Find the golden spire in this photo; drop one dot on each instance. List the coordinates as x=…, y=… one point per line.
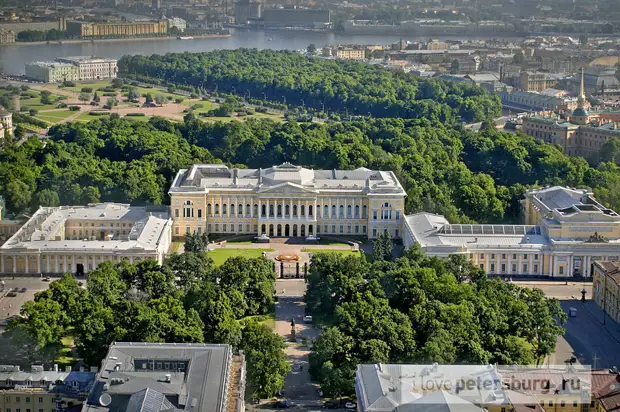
x=582, y=92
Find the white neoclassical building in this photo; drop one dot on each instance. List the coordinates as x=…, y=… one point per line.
x=565, y=230
x=286, y=200
x=76, y=239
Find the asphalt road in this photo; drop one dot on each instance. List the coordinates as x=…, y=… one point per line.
x=10, y=306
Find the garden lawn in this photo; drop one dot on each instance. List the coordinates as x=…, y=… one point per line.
x=55, y=117
x=35, y=103
x=342, y=252
x=220, y=255
x=94, y=85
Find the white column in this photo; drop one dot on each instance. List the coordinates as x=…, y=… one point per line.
x=131, y=259
x=509, y=265
x=283, y=211
x=570, y=269
x=290, y=211
x=586, y=269
x=487, y=259
x=27, y=264
x=48, y=264
x=530, y=268
x=65, y=266
x=260, y=208
x=56, y=263
x=39, y=263
x=307, y=205
x=498, y=263
x=14, y=264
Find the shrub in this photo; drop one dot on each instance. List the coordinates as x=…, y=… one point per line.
x=33, y=112
x=136, y=114
x=62, y=105
x=261, y=110
x=68, y=83
x=86, y=90
x=193, y=96
x=74, y=108
x=98, y=113
x=109, y=94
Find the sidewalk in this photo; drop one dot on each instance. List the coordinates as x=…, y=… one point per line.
x=611, y=326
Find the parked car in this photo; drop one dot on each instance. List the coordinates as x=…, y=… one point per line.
x=47, y=279
x=23, y=290
x=308, y=319
x=350, y=405
x=285, y=404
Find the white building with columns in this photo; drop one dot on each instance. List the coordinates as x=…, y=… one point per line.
x=76, y=239
x=565, y=231
x=287, y=201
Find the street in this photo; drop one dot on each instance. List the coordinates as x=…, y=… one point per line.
x=10, y=306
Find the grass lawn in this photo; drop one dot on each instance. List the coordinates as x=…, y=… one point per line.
x=220, y=256
x=342, y=252
x=35, y=103
x=65, y=357
x=205, y=106
x=55, y=117
x=273, y=116
x=93, y=84
x=269, y=320
x=86, y=117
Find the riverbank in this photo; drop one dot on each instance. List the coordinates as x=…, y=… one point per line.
x=79, y=41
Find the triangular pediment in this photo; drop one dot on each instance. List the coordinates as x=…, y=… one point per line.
x=286, y=188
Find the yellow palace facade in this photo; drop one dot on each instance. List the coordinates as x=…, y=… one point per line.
x=287, y=201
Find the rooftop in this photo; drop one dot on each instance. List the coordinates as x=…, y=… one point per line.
x=611, y=268
x=204, y=177
x=568, y=201
x=154, y=377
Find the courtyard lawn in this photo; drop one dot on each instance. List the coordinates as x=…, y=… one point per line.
x=86, y=117
x=342, y=252
x=65, y=357
x=220, y=255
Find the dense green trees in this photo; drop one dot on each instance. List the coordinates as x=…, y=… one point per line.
x=319, y=84
x=420, y=309
x=148, y=302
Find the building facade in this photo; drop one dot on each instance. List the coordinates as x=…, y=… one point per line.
x=77, y=239
x=7, y=36
x=154, y=377
x=295, y=17
x=121, y=29
x=583, y=134
x=92, y=68
x=38, y=390
x=52, y=72
x=606, y=287
x=6, y=122
x=565, y=230
x=535, y=82
x=246, y=10
x=286, y=200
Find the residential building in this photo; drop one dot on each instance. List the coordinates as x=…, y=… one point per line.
x=169, y=376
x=467, y=64
x=92, y=68
x=345, y=52
x=535, y=81
x=7, y=36
x=564, y=231
x=38, y=390
x=583, y=134
x=286, y=200
x=52, y=72
x=606, y=287
x=77, y=239
x=117, y=29
x=177, y=22
x=246, y=10
x=537, y=101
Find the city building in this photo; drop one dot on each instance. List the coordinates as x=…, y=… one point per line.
x=246, y=10
x=6, y=122
x=286, y=200
x=92, y=68
x=565, y=230
x=597, y=80
x=606, y=287
x=470, y=388
x=52, y=72
x=535, y=81
x=42, y=390
x=76, y=239
x=583, y=134
x=179, y=23
x=537, y=101
x=345, y=52
x=295, y=17
x=167, y=377
x=118, y=29
x=7, y=36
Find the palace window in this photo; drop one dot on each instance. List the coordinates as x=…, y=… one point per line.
x=364, y=211
x=176, y=214
x=187, y=229
x=535, y=268
x=224, y=209
x=341, y=211
x=240, y=209
x=188, y=209
x=333, y=211
x=199, y=212
x=208, y=209
x=326, y=212
x=349, y=210
x=232, y=210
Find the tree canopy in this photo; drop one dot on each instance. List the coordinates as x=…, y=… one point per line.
x=421, y=310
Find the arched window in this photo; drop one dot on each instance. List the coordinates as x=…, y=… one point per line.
x=310, y=211
x=357, y=211
x=349, y=211
x=364, y=212
x=341, y=211
x=325, y=212
x=271, y=211
x=302, y=210
x=294, y=210
x=240, y=210
x=264, y=211
x=279, y=210
x=232, y=210
x=247, y=209
x=208, y=209
x=188, y=208
x=333, y=211
x=287, y=210
x=217, y=209
x=224, y=209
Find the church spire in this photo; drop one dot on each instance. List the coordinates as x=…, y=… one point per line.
x=581, y=100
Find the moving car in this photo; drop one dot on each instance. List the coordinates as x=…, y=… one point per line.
x=285, y=404
x=331, y=405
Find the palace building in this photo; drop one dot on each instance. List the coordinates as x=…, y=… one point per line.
x=565, y=230
x=286, y=200
x=76, y=239
x=583, y=134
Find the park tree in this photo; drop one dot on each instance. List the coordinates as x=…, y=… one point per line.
x=84, y=97
x=45, y=97
x=196, y=242
x=96, y=98
x=133, y=94
x=19, y=132
x=111, y=102
x=148, y=98
x=382, y=247
x=311, y=48
x=160, y=99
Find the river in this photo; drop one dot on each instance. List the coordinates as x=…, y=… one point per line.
x=13, y=58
